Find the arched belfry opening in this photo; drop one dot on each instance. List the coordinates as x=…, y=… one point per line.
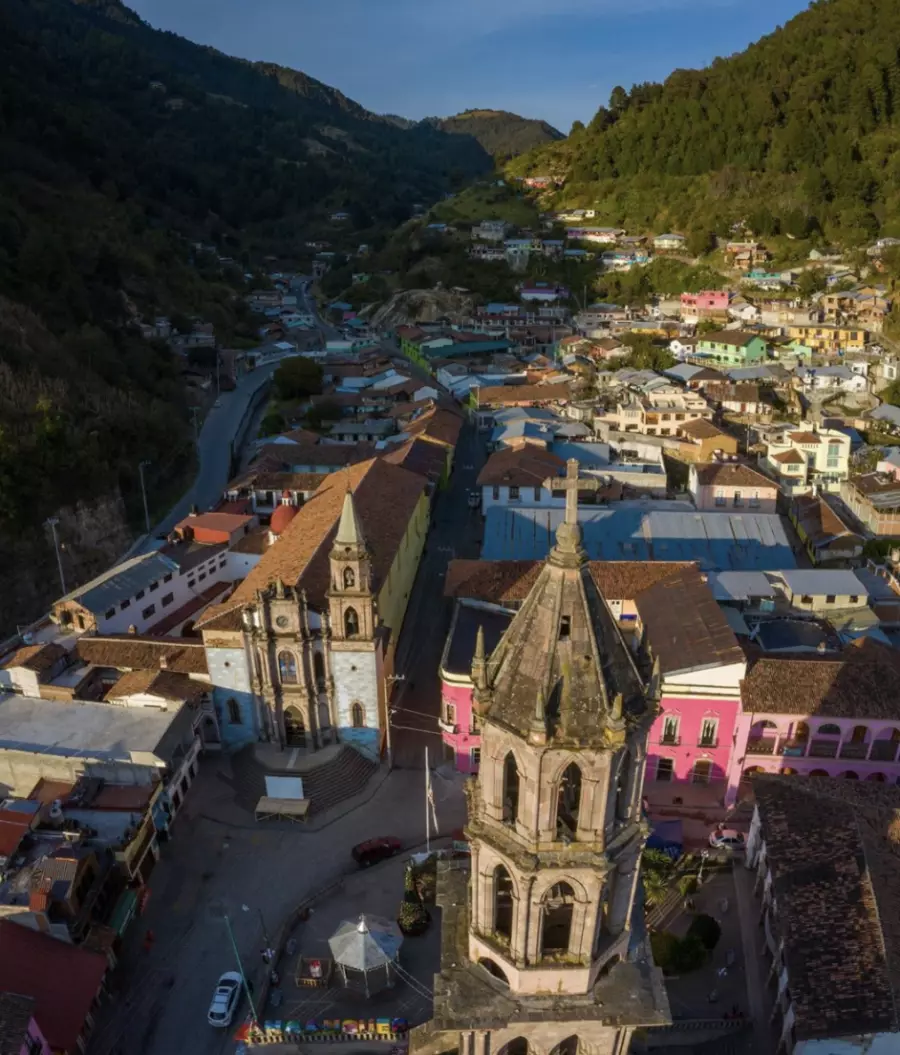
x=568, y=802
x=510, y=789
x=557, y=908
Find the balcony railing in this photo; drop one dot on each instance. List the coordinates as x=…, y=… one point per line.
x=448, y=727
x=670, y=741
x=823, y=749
x=708, y=741
x=884, y=751
x=854, y=750
x=763, y=745
x=794, y=748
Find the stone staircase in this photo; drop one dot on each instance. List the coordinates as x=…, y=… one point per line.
x=340, y=777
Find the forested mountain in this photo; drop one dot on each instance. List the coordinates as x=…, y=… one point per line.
x=503, y=135
x=121, y=144
x=801, y=130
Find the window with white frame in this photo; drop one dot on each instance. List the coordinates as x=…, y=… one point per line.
x=665, y=770
x=709, y=732
x=670, y=730
x=702, y=771
x=450, y=713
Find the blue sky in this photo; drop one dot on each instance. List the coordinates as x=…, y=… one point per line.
x=553, y=59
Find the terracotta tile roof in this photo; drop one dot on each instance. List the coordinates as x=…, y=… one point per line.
x=226, y=522
x=685, y=626
x=506, y=395
x=420, y=456
x=123, y=797
x=45, y=791
x=15, y=1015
x=385, y=497
x=143, y=653
x=805, y=437
x=789, y=458
x=508, y=581
x=39, y=658
x=336, y=455
x=62, y=979
x=701, y=429
x=168, y=684
x=863, y=683
x=739, y=393
x=733, y=474
x=819, y=520
x=833, y=849
x=14, y=823
x=256, y=542
x=438, y=425
x=526, y=466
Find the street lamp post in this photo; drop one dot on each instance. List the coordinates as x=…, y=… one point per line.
x=240, y=964
x=389, y=680
x=141, y=466
x=51, y=522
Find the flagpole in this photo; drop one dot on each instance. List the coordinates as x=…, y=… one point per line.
x=427, y=804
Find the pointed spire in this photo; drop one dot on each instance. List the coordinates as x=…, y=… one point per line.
x=479, y=660
x=349, y=532
x=537, y=734
x=279, y=588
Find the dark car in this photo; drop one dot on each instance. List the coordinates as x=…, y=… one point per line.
x=374, y=850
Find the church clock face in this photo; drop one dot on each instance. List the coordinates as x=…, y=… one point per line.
x=282, y=621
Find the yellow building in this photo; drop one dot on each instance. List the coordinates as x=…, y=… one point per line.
x=824, y=338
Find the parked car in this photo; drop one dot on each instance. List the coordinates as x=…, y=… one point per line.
x=225, y=1000
x=726, y=839
x=474, y=499
x=374, y=850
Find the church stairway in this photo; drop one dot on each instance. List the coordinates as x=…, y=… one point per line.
x=340, y=778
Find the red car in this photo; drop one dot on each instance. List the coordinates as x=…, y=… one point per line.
x=374, y=850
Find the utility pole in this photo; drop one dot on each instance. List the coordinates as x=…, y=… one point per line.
x=141, y=466
x=51, y=522
x=240, y=964
x=194, y=412
x=218, y=378
x=389, y=681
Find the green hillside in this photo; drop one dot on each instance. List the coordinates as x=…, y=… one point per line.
x=503, y=135
x=798, y=133
x=121, y=145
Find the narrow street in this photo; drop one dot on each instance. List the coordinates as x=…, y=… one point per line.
x=455, y=532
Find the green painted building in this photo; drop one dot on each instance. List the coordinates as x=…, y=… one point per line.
x=732, y=348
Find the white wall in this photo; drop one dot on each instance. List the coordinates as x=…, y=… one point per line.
x=526, y=498
x=183, y=587
x=698, y=682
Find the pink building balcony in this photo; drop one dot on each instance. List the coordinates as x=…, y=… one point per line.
x=850, y=748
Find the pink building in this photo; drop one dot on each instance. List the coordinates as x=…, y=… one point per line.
x=638, y=593
x=836, y=717
x=685, y=634
x=706, y=302
x=462, y=741
x=731, y=485
x=20, y=1033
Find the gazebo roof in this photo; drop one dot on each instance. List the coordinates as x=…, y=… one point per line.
x=366, y=944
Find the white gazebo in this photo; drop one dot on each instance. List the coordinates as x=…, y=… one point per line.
x=366, y=945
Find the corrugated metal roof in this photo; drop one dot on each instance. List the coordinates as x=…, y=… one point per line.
x=716, y=541
x=125, y=580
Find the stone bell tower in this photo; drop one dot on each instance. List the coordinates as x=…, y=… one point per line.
x=351, y=603
x=547, y=964
x=355, y=656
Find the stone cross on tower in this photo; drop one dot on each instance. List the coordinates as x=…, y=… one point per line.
x=568, y=534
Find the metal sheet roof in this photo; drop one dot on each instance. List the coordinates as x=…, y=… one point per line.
x=125, y=580
x=823, y=581
x=723, y=541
